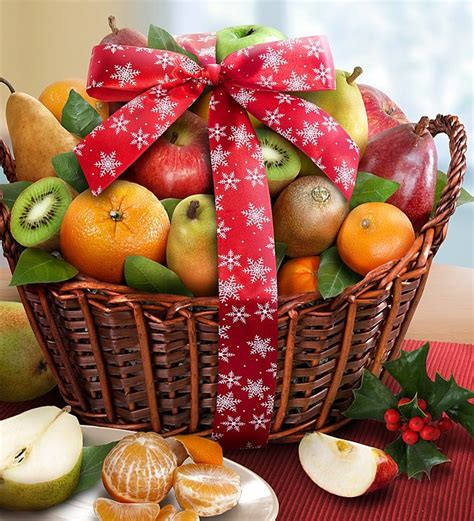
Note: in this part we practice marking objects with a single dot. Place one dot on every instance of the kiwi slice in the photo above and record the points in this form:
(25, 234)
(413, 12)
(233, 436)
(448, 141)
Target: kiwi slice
(38, 213)
(281, 159)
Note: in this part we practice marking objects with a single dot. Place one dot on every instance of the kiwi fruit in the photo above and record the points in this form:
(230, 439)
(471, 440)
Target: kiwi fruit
(308, 214)
(281, 160)
(38, 213)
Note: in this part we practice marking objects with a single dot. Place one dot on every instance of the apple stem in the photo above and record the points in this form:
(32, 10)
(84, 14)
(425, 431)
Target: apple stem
(422, 125)
(174, 137)
(355, 74)
(8, 84)
(113, 24)
(192, 210)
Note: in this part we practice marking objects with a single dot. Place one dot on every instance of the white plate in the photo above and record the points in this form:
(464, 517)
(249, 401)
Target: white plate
(258, 501)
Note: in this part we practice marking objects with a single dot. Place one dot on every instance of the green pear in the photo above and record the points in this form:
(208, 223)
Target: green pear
(24, 374)
(192, 244)
(346, 106)
(40, 458)
(36, 136)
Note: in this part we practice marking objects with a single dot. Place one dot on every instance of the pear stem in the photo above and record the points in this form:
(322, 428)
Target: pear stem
(8, 84)
(422, 125)
(113, 24)
(192, 209)
(355, 74)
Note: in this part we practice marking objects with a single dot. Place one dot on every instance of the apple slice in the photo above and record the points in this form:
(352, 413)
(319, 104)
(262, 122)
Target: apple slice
(345, 468)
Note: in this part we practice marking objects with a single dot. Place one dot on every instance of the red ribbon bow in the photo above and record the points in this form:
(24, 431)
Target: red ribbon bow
(159, 86)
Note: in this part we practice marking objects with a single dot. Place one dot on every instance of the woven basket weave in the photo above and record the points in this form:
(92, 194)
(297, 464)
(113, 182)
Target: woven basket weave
(146, 361)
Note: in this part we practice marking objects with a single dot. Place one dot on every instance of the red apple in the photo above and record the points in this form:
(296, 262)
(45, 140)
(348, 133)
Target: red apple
(345, 468)
(125, 36)
(178, 164)
(382, 112)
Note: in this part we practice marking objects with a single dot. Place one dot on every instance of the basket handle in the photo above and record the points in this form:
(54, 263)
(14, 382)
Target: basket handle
(10, 247)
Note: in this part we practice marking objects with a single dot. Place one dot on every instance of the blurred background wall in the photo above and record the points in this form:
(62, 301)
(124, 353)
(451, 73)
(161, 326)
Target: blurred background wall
(419, 52)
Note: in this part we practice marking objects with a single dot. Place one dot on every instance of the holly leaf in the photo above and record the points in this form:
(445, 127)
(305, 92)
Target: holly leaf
(333, 275)
(463, 414)
(91, 468)
(67, 168)
(78, 116)
(158, 38)
(398, 450)
(170, 205)
(422, 457)
(447, 394)
(441, 181)
(410, 372)
(411, 409)
(371, 400)
(9, 192)
(280, 252)
(372, 188)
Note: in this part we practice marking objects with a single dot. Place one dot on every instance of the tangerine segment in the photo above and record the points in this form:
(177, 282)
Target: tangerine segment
(167, 513)
(208, 490)
(186, 515)
(110, 510)
(202, 450)
(139, 469)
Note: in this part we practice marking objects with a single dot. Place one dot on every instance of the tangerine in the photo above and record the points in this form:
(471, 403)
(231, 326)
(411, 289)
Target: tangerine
(110, 510)
(202, 450)
(373, 234)
(99, 233)
(186, 515)
(299, 275)
(167, 513)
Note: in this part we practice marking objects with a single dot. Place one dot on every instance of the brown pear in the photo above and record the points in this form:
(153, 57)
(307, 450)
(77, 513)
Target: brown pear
(36, 136)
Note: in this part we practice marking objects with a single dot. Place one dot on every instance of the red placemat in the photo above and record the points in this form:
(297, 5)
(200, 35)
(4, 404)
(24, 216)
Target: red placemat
(448, 497)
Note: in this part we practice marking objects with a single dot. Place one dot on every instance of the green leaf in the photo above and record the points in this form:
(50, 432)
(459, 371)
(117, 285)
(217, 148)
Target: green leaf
(78, 116)
(463, 414)
(333, 275)
(371, 188)
(67, 168)
(38, 266)
(158, 38)
(10, 191)
(447, 394)
(371, 400)
(170, 204)
(410, 372)
(150, 276)
(398, 450)
(411, 409)
(422, 457)
(91, 469)
(280, 252)
(441, 181)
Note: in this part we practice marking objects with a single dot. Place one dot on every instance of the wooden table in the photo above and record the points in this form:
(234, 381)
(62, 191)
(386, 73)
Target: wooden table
(445, 312)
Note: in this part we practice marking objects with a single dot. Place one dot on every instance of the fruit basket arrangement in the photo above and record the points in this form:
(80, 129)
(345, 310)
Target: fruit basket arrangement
(131, 325)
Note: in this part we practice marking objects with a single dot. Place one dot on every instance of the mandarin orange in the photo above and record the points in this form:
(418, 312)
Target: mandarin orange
(202, 450)
(299, 275)
(110, 510)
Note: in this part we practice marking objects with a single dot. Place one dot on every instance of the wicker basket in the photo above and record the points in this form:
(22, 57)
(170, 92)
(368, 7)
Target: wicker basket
(147, 361)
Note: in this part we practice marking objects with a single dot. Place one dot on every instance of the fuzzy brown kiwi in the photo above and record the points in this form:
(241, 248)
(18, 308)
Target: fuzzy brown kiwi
(308, 214)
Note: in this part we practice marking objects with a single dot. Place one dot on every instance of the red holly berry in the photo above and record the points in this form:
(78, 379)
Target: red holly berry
(436, 433)
(416, 424)
(428, 417)
(403, 401)
(410, 437)
(392, 426)
(427, 432)
(445, 424)
(422, 404)
(404, 427)
(391, 416)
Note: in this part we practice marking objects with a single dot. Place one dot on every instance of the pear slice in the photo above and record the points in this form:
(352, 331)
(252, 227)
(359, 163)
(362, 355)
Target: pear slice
(40, 458)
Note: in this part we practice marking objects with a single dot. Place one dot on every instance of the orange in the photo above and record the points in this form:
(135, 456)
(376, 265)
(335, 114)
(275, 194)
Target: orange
(98, 233)
(186, 515)
(208, 490)
(139, 469)
(55, 96)
(299, 275)
(373, 234)
(167, 513)
(202, 450)
(110, 510)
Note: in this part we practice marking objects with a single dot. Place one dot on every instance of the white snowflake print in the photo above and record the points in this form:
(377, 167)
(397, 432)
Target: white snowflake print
(159, 91)
(269, 404)
(330, 124)
(233, 424)
(219, 157)
(309, 108)
(113, 48)
(259, 422)
(283, 97)
(165, 60)
(260, 346)
(229, 261)
(265, 311)
(257, 270)
(323, 74)
(310, 133)
(223, 332)
(229, 289)
(125, 74)
(266, 82)
(244, 97)
(314, 48)
(144, 49)
(272, 290)
(218, 202)
(216, 436)
(222, 229)
(108, 164)
(273, 369)
(98, 128)
(159, 131)
(345, 175)
(227, 402)
(134, 104)
(120, 124)
(290, 43)
(217, 131)
(352, 144)
(97, 192)
(243, 52)
(164, 106)
(206, 38)
(229, 181)
(189, 66)
(273, 59)
(255, 216)
(272, 117)
(230, 379)
(139, 139)
(249, 445)
(95, 84)
(258, 156)
(78, 149)
(296, 82)
(271, 243)
(207, 51)
(213, 103)
(238, 314)
(287, 133)
(241, 137)
(255, 388)
(255, 177)
(224, 353)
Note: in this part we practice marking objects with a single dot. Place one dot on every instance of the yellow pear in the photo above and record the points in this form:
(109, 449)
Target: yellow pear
(36, 136)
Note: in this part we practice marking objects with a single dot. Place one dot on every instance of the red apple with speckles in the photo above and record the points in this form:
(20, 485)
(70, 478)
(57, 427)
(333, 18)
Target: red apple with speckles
(125, 36)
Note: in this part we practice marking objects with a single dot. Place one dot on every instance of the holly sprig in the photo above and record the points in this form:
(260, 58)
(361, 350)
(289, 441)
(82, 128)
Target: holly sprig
(420, 412)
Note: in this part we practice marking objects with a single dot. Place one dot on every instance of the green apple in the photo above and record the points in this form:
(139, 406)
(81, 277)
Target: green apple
(241, 36)
(40, 458)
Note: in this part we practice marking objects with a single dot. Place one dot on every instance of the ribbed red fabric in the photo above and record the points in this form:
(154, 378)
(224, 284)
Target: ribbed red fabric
(447, 497)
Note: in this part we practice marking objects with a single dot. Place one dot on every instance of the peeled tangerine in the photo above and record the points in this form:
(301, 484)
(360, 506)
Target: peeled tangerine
(345, 468)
